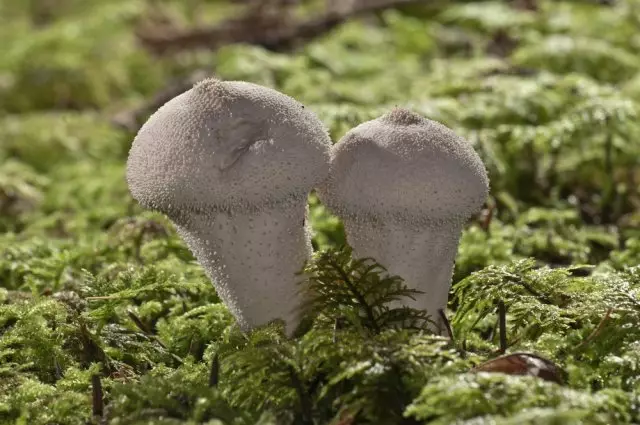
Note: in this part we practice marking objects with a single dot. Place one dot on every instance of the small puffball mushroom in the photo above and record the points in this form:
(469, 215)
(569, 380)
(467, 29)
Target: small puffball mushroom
(404, 187)
(231, 164)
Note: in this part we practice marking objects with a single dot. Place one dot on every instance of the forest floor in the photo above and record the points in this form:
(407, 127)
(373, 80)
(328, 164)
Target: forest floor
(105, 317)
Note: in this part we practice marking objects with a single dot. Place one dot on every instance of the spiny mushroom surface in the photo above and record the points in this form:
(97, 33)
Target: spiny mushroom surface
(404, 187)
(231, 163)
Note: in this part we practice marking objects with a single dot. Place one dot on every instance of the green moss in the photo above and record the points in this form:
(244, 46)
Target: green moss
(47, 141)
(86, 62)
(494, 396)
(590, 56)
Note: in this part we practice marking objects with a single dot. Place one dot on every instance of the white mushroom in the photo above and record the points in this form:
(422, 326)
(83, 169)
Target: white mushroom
(232, 164)
(404, 187)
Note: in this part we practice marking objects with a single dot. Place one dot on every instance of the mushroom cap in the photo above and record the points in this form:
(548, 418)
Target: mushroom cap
(406, 168)
(225, 146)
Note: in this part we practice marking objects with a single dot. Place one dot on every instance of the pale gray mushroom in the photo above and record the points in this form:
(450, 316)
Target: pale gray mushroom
(232, 163)
(404, 186)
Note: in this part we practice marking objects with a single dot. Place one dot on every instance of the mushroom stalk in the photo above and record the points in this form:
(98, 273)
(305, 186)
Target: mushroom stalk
(422, 256)
(253, 259)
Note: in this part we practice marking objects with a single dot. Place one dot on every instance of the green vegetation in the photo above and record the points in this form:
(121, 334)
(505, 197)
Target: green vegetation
(94, 289)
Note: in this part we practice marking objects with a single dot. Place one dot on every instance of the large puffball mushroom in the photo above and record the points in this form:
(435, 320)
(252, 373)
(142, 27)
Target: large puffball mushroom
(231, 164)
(404, 186)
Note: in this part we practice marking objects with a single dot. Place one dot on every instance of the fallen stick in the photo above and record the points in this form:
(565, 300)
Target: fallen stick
(273, 32)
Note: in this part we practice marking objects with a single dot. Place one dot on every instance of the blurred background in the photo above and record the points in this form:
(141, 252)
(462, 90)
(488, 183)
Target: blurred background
(547, 91)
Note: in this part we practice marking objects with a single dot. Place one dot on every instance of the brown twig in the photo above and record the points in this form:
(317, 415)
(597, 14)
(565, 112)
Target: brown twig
(272, 31)
(214, 372)
(145, 330)
(447, 324)
(306, 406)
(138, 322)
(97, 397)
(502, 316)
(596, 331)
(487, 216)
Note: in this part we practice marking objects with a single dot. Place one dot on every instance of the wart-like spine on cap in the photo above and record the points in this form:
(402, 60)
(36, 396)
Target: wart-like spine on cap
(231, 163)
(404, 187)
